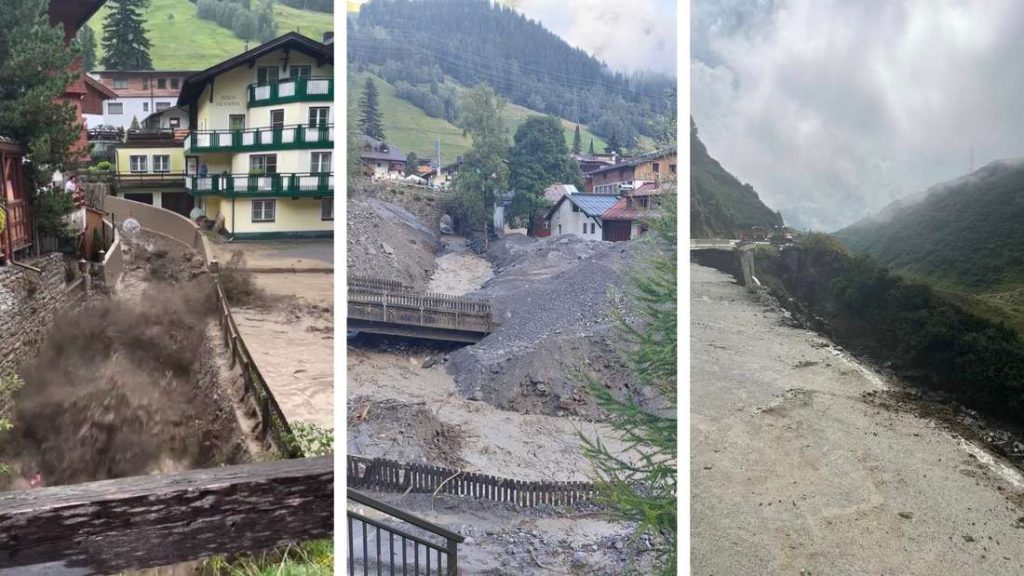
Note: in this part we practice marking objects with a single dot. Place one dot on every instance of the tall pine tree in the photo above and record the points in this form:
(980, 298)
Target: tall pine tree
(85, 41)
(369, 107)
(591, 146)
(125, 45)
(577, 142)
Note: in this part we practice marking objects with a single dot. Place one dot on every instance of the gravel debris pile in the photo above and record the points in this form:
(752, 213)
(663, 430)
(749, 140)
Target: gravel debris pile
(387, 241)
(553, 298)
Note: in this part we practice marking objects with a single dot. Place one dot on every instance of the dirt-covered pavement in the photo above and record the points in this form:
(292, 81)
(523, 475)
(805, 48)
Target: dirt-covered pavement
(796, 467)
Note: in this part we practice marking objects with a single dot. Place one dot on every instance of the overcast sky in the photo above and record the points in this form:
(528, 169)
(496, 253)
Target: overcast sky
(626, 34)
(832, 109)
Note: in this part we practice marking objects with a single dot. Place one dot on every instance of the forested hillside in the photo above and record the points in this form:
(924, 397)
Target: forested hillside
(965, 235)
(420, 42)
(720, 205)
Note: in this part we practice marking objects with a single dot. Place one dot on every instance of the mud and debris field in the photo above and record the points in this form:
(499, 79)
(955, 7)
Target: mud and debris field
(796, 468)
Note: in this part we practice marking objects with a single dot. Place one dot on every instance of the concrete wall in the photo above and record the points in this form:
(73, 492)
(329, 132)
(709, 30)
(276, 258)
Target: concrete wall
(294, 217)
(29, 303)
(159, 220)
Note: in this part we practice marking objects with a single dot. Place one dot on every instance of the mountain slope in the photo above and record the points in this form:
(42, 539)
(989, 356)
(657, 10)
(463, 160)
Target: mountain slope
(183, 41)
(720, 205)
(409, 128)
(474, 41)
(967, 234)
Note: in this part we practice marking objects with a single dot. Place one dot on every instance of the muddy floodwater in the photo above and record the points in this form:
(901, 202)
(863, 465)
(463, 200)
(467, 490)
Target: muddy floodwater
(458, 270)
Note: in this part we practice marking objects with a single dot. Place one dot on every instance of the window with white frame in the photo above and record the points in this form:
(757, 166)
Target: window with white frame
(319, 116)
(137, 164)
(327, 208)
(115, 108)
(320, 162)
(296, 72)
(264, 210)
(161, 163)
(145, 106)
(263, 164)
(161, 106)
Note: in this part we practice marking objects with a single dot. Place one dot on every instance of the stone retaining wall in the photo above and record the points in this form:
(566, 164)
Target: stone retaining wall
(29, 303)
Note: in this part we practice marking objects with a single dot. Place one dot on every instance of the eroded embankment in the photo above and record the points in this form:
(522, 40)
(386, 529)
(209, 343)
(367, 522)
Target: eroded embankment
(133, 383)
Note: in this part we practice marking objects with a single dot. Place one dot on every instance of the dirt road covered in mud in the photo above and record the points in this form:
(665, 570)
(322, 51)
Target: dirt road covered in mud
(287, 321)
(797, 468)
(134, 383)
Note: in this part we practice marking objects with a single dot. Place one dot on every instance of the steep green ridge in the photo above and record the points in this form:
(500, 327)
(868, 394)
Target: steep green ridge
(474, 41)
(720, 205)
(409, 128)
(183, 41)
(964, 235)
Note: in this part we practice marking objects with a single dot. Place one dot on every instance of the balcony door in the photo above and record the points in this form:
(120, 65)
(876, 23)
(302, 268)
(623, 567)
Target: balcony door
(266, 75)
(300, 72)
(277, 119)
(236, 122)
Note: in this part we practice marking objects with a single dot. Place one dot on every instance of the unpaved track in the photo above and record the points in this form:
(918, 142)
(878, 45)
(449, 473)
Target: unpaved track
(793, 473)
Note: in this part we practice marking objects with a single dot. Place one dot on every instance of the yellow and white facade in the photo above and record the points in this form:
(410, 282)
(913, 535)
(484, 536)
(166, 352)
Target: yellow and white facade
(150, 168)
(260, 150)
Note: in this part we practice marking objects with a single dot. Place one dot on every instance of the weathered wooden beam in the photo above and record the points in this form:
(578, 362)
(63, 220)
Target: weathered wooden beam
(147, 521)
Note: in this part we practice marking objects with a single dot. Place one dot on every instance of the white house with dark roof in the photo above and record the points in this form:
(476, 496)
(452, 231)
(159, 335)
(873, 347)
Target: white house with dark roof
(580, 214)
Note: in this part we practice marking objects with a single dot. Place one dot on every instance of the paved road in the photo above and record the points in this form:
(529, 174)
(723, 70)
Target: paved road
(792, 471)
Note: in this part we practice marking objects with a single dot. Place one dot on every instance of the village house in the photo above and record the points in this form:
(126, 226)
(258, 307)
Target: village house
(625, 220)
(150, 168)
(84, 94)
(15, 228)
(653, 167)
(380, 160)
(138, 94)
(579, 214)
(258, 156)
(447, 173)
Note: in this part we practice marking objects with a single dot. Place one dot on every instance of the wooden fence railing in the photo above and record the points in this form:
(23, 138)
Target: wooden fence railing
(147, 521)
(386, 475)
(377, 284)
(273, 423)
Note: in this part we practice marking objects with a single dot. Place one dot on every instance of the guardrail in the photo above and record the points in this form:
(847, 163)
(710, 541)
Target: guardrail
(369, 533)
(273, 423)
(384, 475)
(150, 180)
(144, 522)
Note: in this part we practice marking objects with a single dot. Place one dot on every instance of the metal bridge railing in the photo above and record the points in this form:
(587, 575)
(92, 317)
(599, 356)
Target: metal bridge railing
(378, 546)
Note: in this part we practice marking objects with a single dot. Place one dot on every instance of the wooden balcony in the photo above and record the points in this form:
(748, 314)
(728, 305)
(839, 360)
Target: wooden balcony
(260, 139)
(291, 90)
(292, 185)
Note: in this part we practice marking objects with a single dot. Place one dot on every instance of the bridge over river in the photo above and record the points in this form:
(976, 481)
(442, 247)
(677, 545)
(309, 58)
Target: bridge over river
(379, 306)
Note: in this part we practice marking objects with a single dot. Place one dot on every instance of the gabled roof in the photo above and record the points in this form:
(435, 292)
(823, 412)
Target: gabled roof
(633, 162)
(555, 192)
(98, 86)
(593, 205)
(73, 14)
(193, 86)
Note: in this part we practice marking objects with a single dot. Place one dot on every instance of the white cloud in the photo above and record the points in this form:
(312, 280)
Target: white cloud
(627, 35)
(832, 109)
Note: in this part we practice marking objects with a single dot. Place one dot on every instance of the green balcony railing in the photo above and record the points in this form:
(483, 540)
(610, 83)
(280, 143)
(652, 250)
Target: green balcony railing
(295, 185)
(260, 139)
(292, 90)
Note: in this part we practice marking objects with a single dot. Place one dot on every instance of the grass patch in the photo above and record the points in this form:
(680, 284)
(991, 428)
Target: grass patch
(183, 41)
(409, 128)
(313, 558)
